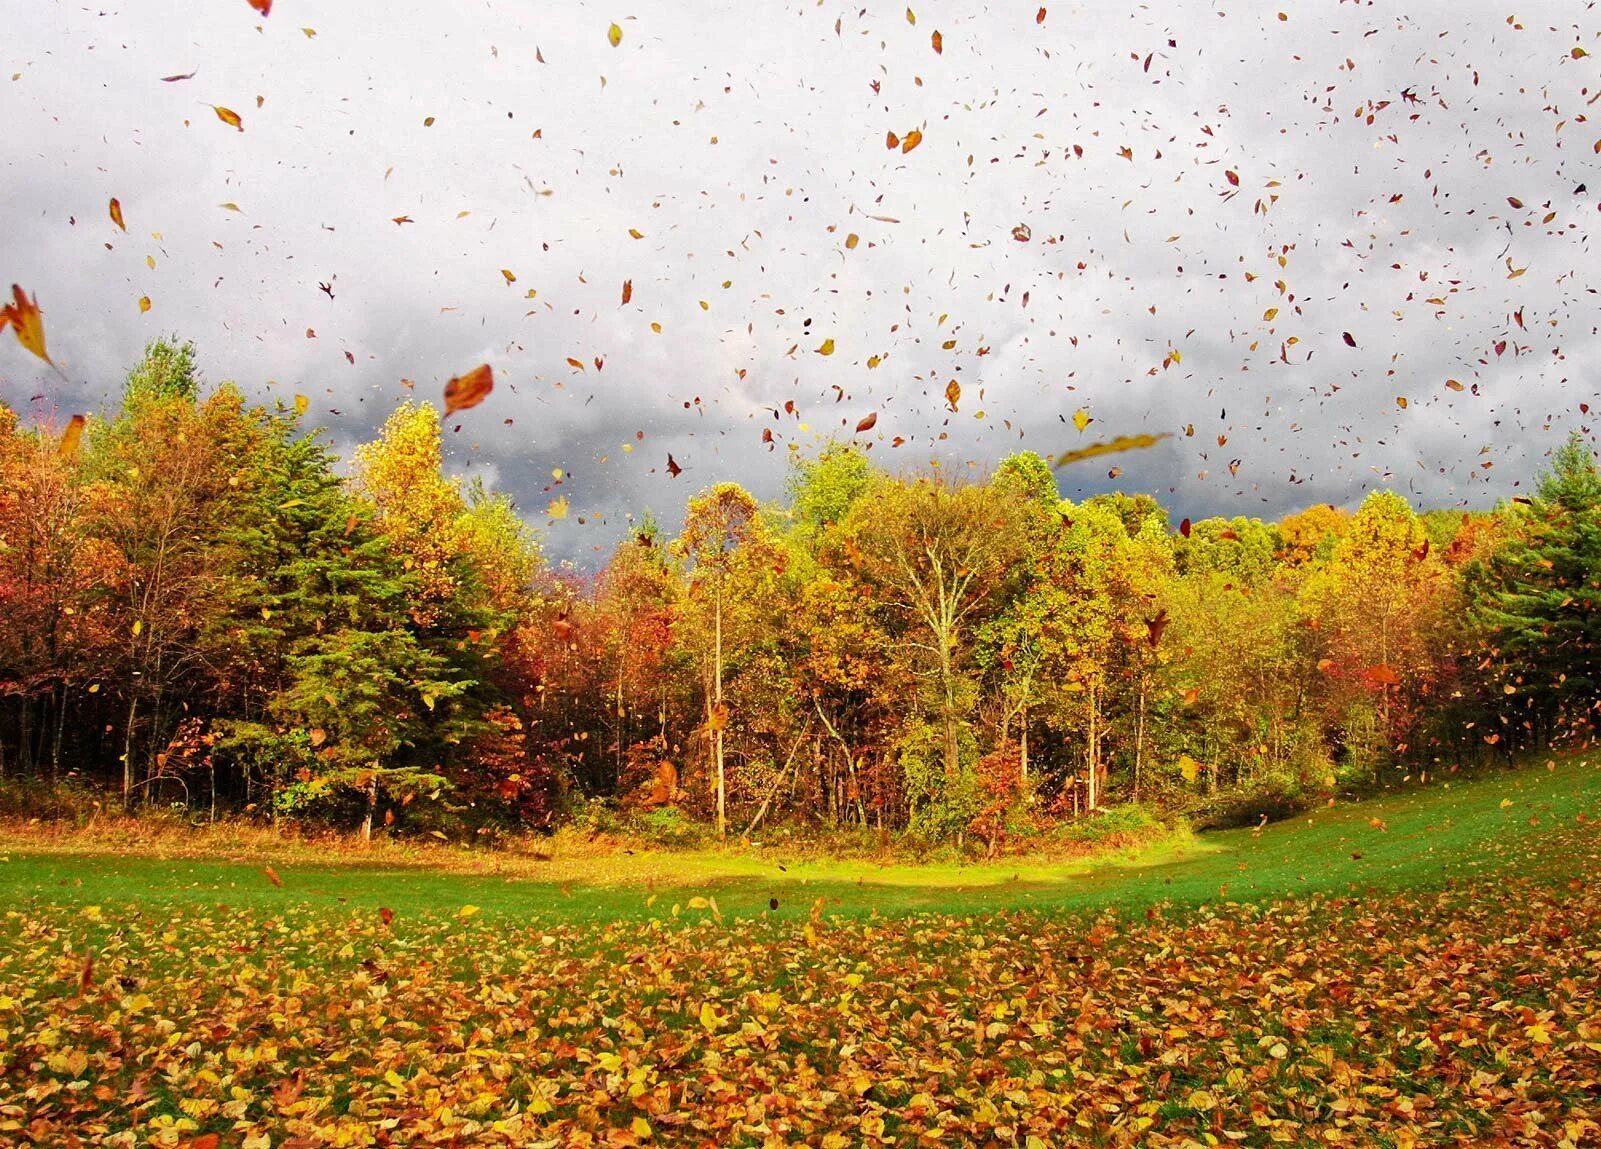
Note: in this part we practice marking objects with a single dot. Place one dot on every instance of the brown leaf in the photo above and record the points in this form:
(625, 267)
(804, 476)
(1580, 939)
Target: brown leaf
(673, 468)
(469, 390)
(867, 422)
(953, 393)
(272, 876)
(628, 290)
(116, 213)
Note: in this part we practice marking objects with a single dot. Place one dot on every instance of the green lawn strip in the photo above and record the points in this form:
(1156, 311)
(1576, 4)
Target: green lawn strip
(1448, 831)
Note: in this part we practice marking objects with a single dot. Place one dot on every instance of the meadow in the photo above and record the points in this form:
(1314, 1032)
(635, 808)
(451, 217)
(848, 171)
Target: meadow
(1419, 968)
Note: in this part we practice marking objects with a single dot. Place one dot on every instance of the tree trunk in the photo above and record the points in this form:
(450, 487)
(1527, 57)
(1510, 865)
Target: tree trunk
(719, 721)
(372, 805)
(1139, 738)
(127, 751)
(1022, 745)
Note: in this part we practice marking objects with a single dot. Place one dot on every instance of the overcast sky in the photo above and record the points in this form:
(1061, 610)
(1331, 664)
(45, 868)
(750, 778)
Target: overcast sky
(1103, 211)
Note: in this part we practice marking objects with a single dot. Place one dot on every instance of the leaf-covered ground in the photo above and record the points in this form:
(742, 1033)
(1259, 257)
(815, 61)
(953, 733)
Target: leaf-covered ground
(1460, 1011)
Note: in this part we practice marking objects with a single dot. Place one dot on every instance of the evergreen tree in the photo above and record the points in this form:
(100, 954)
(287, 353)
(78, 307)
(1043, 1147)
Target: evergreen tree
(1539, 602)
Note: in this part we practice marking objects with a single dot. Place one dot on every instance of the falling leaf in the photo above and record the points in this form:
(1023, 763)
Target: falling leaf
(144, 304)
(614, 34)
(272, 876)
(229, 117)
(26, 322)
(1109, 447)
(851, 241)
(176, 79)
(1082, 419)
(1350, 340)
(386, 915)
(116, 213)
(867, 422)
(262, 6)
(953, 393)
(466, 912)
(469, 390)
(827, 347)
(673, 468)
(628, 290)
(938, 42)
(911, 140)
(71, 437)
(1189, 768)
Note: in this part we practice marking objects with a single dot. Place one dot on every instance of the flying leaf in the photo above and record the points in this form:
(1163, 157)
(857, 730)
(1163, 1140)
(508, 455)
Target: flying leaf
(26, 321)
(469, 390)
(71, 437)
(911, 140)
(938, 42)
(262, 6)
(508, 276)
(228, 116)
(1082, 419)
(116, 213)
(614, 34)
(867, 422)
(673, 468)
(1350, 340)
(144, 304)
(827, 347)
(953, 393)
(1109, 447)
(628, 290)
(272, 876)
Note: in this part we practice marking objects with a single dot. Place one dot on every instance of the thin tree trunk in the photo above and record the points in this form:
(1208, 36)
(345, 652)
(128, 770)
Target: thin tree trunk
(720, 719)
(127, 750)
(372, 805)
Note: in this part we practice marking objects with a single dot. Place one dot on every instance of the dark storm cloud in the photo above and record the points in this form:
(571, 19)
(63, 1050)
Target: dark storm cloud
(1375, 153)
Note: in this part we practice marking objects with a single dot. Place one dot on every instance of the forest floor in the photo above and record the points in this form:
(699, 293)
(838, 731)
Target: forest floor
(1418, 969)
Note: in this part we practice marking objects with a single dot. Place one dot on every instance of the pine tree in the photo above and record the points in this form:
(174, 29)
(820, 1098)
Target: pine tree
(1539, 601)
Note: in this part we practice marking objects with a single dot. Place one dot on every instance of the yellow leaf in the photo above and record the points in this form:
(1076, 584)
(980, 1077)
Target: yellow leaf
(229, 117)
(1270, 314)
(1082, 419)
(302, 403)
(641, 1127)
(827, 348)
(709, 1017)
(615, 35)
(1189, 767)
(144, 304)
(466, 912)
(510, 278)
(1109, 447)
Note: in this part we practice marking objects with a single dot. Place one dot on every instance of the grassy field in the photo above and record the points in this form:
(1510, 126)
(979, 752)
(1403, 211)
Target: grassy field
(1419, 969)
(1424, 837)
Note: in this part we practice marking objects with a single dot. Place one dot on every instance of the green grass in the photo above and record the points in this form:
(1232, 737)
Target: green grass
(1434, 835)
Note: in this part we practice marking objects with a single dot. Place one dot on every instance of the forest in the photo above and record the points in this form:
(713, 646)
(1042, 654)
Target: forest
(202, 606)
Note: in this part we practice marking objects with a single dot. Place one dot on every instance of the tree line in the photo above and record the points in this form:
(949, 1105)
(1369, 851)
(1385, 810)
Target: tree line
(199, 605)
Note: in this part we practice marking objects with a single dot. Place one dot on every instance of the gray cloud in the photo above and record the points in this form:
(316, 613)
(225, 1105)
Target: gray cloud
(745, 143)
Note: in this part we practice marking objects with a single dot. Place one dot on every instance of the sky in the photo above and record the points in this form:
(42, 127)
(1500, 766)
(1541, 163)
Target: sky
(1315, 251)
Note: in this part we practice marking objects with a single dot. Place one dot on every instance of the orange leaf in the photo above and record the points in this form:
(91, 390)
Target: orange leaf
(116, 213)
(628, 290)
(938, 42)
(262, 6)
(953, 393)
(868, 422)
(26, 321)
(71, 437)
(229, 117)
(272, 876)
(911, 140)
(469, 390)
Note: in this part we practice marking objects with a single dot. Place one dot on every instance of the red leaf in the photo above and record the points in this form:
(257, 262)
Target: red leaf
(868, 422)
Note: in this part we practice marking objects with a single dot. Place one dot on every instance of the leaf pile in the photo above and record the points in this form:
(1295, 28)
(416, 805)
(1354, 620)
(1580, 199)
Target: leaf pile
(1464, 1016)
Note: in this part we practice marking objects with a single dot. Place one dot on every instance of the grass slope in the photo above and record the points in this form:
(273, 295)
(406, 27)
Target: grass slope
(1449, 830)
